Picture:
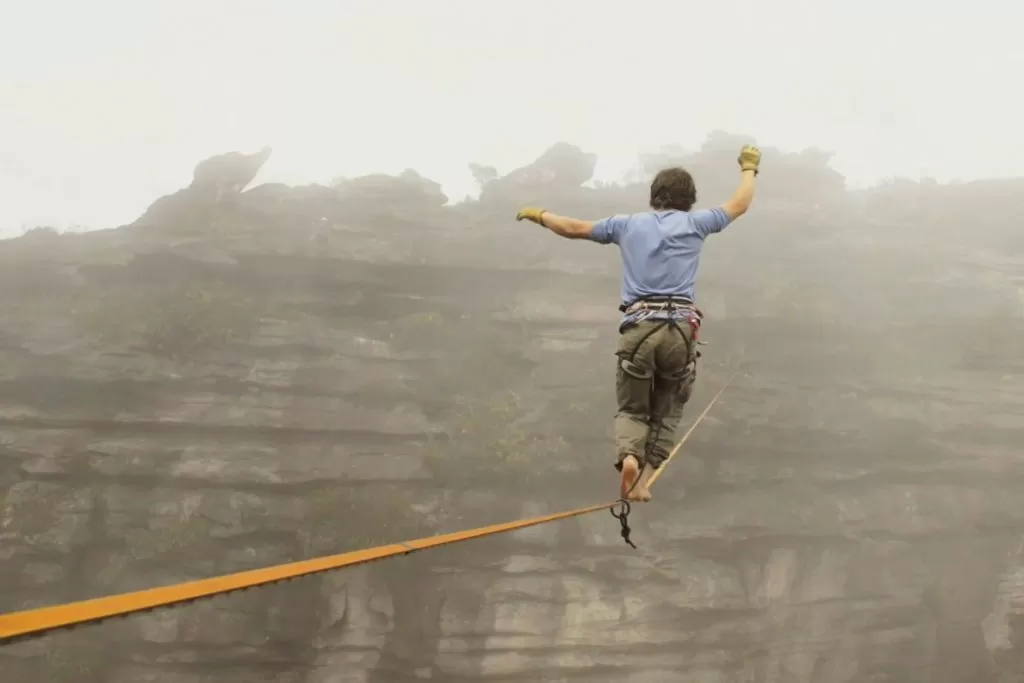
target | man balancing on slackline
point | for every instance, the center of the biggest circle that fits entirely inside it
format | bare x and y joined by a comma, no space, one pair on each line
657,352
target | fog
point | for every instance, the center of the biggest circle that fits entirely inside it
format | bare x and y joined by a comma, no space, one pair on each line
110,103
214,362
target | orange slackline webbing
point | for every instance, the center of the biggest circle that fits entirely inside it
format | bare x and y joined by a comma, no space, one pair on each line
679,444
34,621
47,618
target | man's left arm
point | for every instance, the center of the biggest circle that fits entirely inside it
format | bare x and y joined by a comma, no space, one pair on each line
604,231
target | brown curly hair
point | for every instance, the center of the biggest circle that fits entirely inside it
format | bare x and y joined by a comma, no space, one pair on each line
673,188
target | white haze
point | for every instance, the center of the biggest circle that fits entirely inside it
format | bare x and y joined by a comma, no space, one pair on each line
107,104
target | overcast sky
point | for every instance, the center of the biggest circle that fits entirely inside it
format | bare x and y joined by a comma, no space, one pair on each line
107,104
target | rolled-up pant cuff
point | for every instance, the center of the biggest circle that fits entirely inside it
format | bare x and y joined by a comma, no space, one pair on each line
654,461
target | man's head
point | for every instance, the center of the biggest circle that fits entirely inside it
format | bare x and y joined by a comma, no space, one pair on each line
673,188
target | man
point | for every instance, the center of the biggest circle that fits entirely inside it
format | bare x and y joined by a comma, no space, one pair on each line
657,352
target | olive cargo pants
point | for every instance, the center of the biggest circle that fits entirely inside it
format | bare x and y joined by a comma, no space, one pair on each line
657,367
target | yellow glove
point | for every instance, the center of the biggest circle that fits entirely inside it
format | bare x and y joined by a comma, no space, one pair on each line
749,158
531,213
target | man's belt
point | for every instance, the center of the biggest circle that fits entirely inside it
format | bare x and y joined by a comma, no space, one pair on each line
658,305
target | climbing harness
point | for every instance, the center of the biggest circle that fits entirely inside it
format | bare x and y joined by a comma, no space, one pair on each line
17,625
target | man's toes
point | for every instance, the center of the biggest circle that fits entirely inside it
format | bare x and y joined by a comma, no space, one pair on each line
639,495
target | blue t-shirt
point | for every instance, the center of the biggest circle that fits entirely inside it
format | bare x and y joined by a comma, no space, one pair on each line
660,249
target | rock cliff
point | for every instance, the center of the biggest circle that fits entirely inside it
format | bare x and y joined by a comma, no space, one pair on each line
300,371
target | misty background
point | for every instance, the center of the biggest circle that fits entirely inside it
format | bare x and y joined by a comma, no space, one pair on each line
363,346
110,103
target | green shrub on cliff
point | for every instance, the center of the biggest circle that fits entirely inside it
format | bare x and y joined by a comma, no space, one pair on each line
349,516
175,323
494,439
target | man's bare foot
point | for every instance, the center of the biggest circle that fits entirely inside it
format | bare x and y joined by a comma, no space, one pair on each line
642,492
630,470
644,485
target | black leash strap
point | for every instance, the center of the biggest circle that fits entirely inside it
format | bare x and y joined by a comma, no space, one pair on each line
623,516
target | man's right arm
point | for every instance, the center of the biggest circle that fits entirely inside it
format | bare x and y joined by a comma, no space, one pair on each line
742,198
749,159
710,221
